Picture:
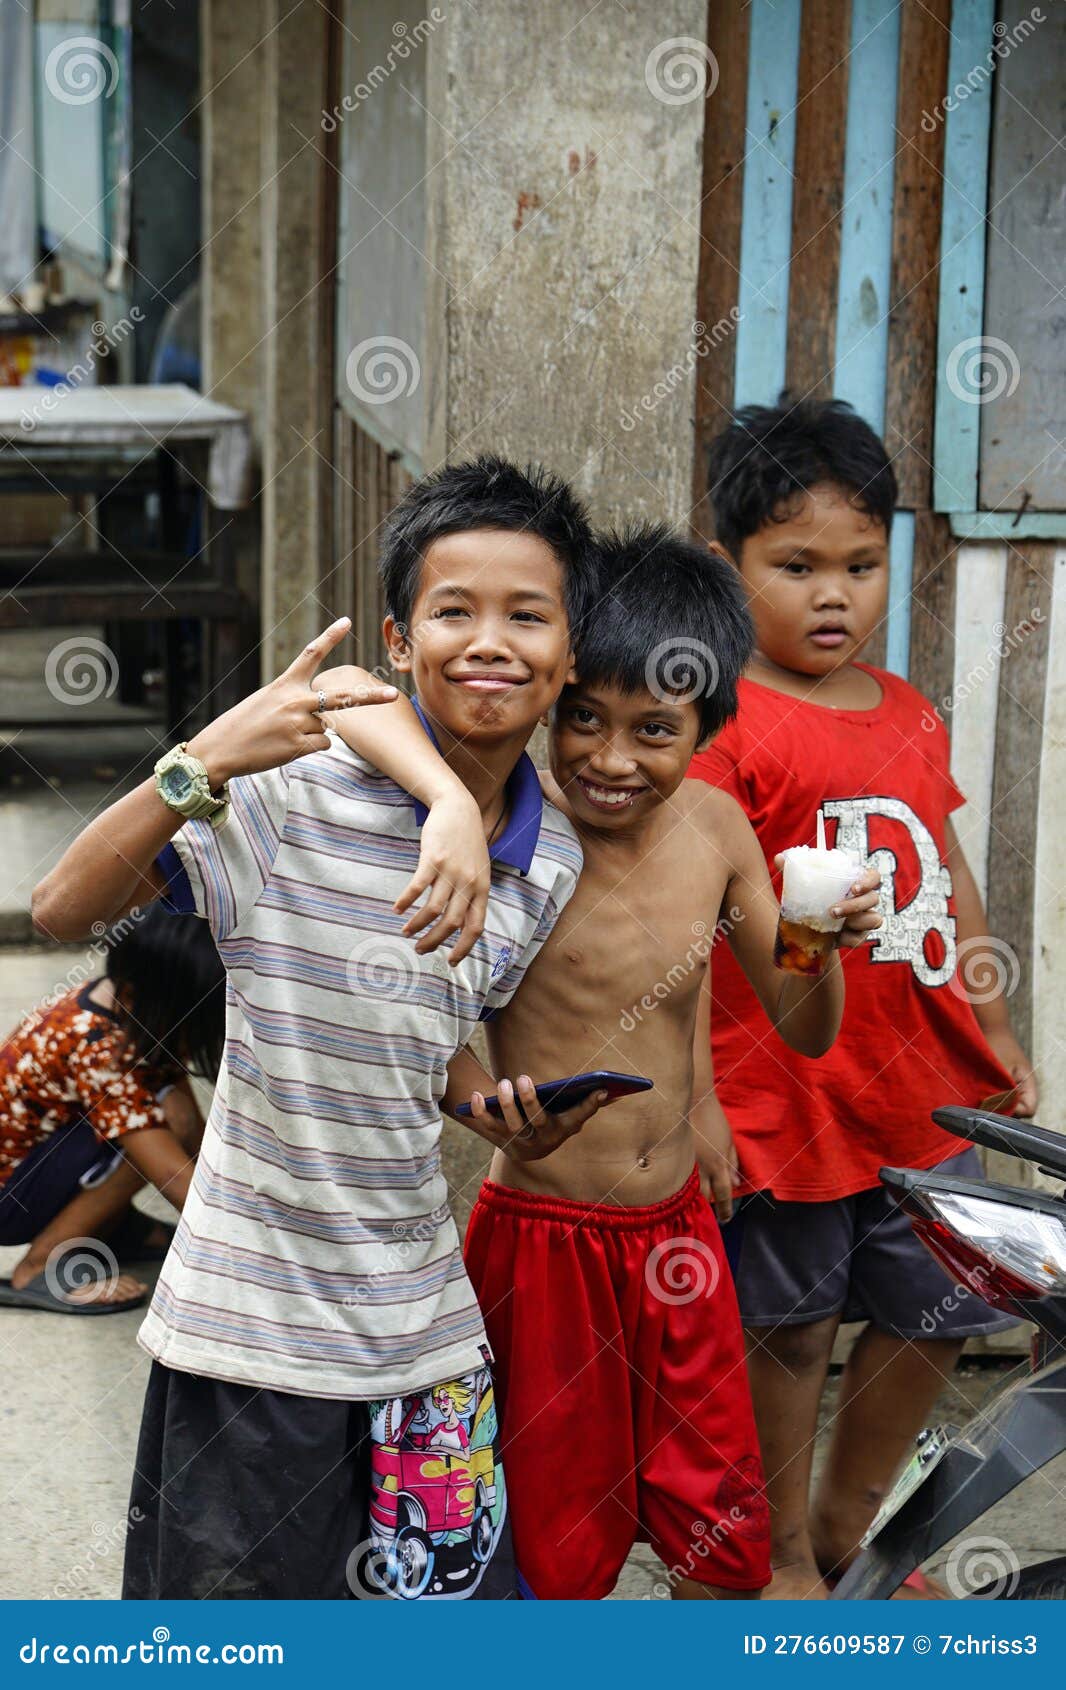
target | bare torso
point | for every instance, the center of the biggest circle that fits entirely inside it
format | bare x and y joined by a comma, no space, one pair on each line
617,986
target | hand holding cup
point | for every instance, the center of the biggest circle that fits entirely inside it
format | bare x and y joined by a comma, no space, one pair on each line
859,910
828,900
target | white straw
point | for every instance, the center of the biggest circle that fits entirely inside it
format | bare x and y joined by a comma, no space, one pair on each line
821,831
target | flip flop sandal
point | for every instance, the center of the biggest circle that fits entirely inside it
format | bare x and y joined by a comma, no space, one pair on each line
38,1294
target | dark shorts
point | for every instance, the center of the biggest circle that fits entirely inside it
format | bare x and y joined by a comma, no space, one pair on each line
46,1180
247,1493
857,1257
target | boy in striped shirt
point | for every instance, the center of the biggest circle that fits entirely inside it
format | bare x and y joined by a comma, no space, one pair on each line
319,1417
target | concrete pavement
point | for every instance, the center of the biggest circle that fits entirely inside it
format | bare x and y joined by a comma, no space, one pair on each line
73,1389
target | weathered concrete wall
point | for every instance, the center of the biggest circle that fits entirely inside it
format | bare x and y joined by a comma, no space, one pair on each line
562,205
563,232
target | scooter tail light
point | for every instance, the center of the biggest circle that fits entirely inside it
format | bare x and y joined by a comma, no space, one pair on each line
985,1278
1002,1252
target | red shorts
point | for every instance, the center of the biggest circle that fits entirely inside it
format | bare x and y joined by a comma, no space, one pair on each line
620,1369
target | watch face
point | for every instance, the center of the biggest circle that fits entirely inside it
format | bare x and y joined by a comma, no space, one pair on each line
176,785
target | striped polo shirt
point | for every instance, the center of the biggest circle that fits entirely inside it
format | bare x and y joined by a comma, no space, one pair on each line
316,1252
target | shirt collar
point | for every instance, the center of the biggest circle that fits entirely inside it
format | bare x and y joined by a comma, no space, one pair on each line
517,843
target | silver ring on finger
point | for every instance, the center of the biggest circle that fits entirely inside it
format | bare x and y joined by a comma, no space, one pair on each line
321,707
528,1133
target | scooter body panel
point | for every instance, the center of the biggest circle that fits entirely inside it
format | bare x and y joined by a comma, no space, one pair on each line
1021,1432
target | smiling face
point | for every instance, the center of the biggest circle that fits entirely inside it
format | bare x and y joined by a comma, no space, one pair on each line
489,644
817,582
617,755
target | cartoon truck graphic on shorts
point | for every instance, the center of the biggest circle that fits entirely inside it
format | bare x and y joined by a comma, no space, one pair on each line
434,1507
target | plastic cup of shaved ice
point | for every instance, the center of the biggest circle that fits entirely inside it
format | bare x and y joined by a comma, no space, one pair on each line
814,880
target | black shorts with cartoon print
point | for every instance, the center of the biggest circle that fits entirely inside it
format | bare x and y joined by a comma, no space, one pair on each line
247,1493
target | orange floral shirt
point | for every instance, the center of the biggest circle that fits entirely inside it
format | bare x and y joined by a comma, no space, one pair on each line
69,1063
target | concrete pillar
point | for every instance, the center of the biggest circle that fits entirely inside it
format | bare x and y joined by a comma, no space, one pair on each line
266,313
231,82
563,232
230,269
298,305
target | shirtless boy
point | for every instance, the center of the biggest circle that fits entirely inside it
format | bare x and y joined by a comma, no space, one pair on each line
600,1270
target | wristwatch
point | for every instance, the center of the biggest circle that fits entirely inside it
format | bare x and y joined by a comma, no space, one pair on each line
183,784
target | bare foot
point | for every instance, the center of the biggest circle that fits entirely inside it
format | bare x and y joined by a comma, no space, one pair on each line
796,1584
124,1289
26,1270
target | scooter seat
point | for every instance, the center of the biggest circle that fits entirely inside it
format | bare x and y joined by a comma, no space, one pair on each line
1002,1132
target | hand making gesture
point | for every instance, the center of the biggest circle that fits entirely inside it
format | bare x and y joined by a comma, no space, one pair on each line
283,720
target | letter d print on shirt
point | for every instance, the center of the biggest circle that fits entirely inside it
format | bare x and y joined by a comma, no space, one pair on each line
902,938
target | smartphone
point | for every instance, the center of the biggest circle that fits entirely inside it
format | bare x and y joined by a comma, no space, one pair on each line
555,1096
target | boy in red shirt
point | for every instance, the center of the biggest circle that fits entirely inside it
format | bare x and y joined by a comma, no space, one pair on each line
804,496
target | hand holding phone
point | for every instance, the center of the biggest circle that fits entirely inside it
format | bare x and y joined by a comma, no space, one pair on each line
529,1122
556,1096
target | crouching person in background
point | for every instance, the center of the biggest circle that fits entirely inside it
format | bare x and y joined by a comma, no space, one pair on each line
95,1103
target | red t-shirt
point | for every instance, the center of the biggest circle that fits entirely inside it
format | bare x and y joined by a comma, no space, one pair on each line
813,1130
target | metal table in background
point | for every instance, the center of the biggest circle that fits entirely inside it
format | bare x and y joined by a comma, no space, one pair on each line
163,450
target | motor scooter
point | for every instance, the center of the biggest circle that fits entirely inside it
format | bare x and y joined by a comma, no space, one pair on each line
1006,1246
